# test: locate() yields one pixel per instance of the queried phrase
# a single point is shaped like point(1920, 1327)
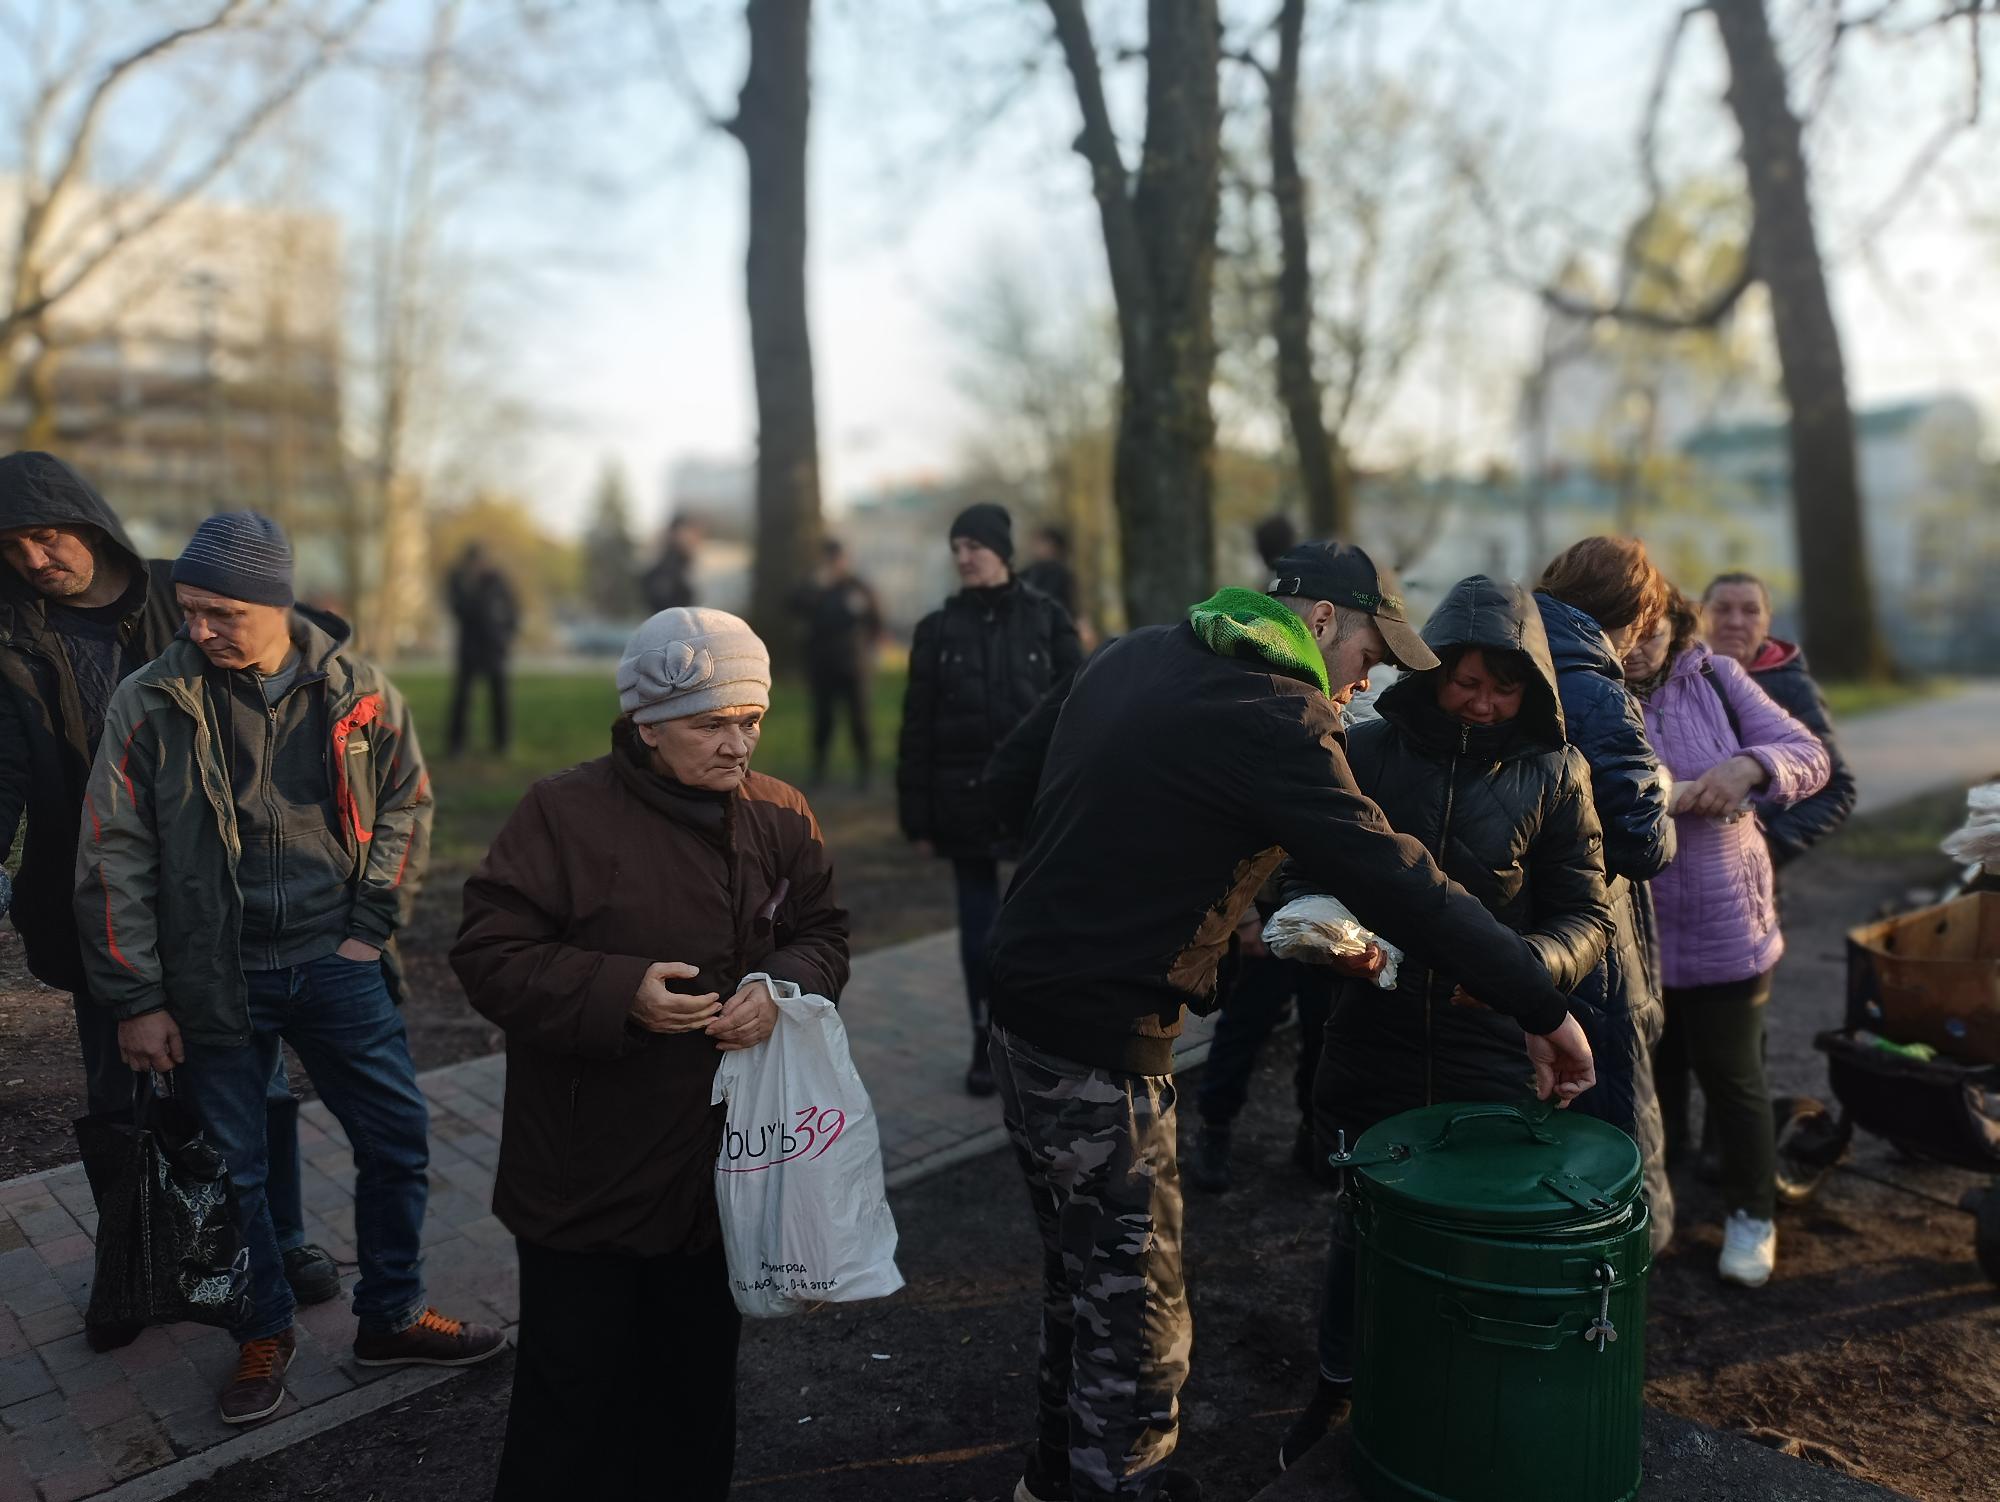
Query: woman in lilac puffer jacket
point(1731, 752)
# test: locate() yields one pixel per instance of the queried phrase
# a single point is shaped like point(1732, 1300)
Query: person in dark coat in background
point(1050, 571)
point(620, 905)
point(1736, 618)
point(487, 616)
point(1471, 758)
point(843, 625)
point(80, 609)
point(1598, 599)
point(670, 583)
point(1274, 536)
point(978, 667)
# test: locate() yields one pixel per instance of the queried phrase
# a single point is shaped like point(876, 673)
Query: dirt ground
point(1872, 1351)
point(892, 895)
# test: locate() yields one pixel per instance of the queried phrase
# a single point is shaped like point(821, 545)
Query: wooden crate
point(1932, 976)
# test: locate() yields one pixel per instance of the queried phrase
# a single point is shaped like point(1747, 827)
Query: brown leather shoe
point(258, 1389)
point(432, 1341)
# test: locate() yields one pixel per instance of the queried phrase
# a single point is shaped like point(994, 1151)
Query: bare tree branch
point(674, 57)
point(1708, 315)
point(1941, 139)
point(1097, 144)
point(1656, 98)
point(162, 207)
point(77, 152)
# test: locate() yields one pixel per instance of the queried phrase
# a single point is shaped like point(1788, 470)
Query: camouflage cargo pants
point(1098, 1150)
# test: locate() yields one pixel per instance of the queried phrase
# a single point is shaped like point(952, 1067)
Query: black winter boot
point(1209, 1172)
point(1330, 1404)
point(979, 1077)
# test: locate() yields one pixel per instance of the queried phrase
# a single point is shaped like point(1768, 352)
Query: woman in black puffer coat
point(1471, 759)
point(1505, 809)
point(978, 666)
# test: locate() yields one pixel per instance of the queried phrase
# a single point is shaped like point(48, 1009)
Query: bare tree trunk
point(1159, 239)
point(38, 384)
point(771, 122)
point(1841, 632)
point(1329, 506)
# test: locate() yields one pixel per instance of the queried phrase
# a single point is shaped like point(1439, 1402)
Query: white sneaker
point(1749, 1250)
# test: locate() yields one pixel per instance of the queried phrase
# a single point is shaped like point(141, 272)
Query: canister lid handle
point(1490, 1113)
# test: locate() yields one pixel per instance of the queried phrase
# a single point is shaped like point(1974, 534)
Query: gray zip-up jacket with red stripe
point(158, 902)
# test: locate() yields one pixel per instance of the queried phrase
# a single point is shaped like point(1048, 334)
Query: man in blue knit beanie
point(218, 928)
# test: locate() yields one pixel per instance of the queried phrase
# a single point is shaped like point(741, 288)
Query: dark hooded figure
point(1470, 758)
point(80, 609)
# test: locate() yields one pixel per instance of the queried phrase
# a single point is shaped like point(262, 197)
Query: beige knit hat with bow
point(688, 661)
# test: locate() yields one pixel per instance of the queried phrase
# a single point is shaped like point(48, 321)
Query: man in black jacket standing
point(1187, 762)
point(79, 610)
point(978, 667)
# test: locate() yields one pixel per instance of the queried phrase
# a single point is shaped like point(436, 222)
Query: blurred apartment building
point(200, 370)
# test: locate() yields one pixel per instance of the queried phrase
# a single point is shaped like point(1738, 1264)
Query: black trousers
point(494, 675)
point(1253, 1005)
point(835, 694)
point(624, 1379)
point(978, 882)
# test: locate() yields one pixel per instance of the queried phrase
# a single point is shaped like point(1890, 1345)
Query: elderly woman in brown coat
point(608, 933)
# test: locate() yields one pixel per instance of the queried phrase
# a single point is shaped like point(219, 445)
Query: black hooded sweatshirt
point(58, 666)
point(1175, 783)
point(1505, 810)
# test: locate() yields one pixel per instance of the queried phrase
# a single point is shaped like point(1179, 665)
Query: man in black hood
point(79, 610)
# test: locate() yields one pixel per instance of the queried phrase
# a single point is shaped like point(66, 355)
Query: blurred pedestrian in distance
point(1736, 614)
point(1597, 598)
point(621, 903)
point(79, 611)
point(670, 583)
point(1275, 536)
point(1050, 571)
point(1732, 753)
point(843, 629)
point(978, 667)
point(487, 616)
point(218, 934)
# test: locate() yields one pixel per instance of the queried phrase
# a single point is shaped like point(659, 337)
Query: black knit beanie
point(987, 524)
point(240, 556)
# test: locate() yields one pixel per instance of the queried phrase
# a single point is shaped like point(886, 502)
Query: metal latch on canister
point(1601, 1329)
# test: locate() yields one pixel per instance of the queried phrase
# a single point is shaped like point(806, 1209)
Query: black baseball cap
point(1342, 574)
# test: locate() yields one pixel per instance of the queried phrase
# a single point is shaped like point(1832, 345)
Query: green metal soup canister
point(1501, 1262)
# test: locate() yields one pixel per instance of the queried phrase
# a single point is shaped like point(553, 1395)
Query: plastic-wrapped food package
point(1317, 928)
point(1978, 842)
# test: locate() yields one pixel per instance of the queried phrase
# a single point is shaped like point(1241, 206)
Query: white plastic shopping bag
point(1317, 928)
point(805, 1219)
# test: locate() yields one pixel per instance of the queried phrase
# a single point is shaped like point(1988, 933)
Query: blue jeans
point(337, 1015)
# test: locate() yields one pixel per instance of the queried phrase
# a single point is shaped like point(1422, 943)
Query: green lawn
point(561, 719)
point(1847, 700)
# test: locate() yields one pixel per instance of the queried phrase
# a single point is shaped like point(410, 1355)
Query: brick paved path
point(139, 1424)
